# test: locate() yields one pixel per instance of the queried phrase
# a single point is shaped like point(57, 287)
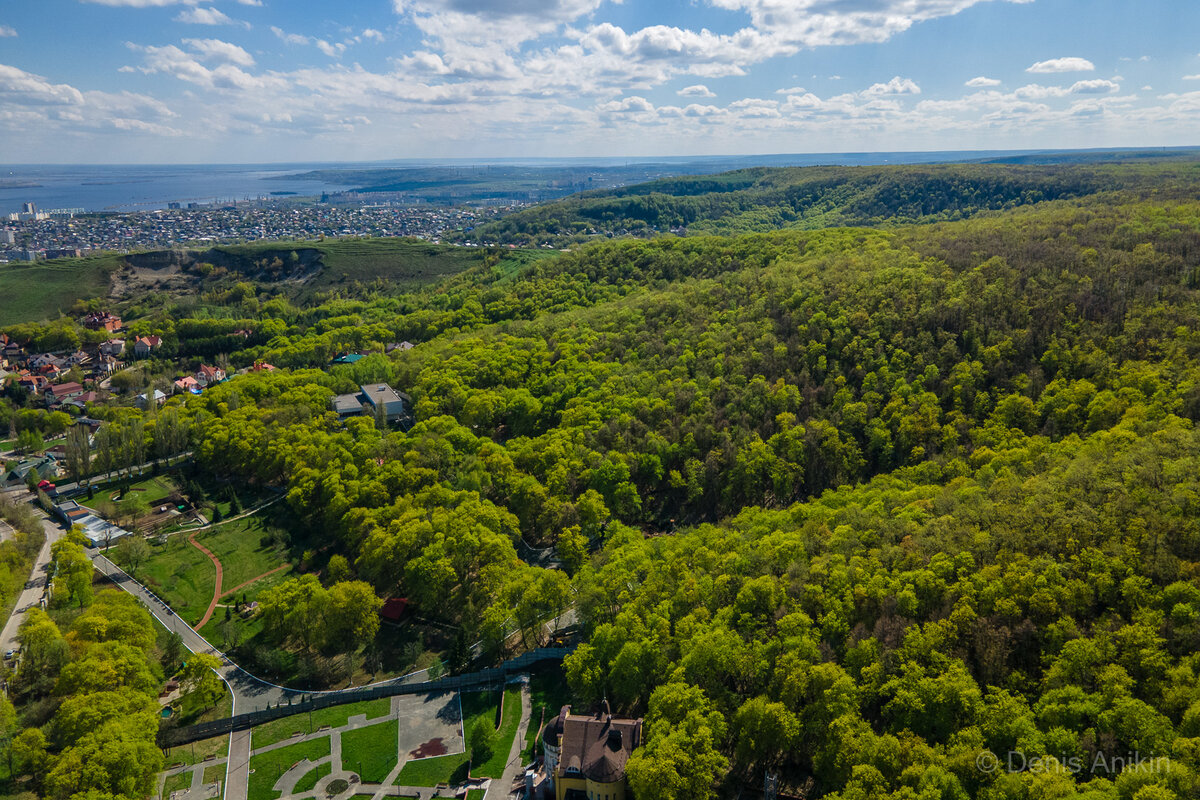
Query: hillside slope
point(762, 199)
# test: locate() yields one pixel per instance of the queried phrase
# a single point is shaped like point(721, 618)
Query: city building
point(585, 755)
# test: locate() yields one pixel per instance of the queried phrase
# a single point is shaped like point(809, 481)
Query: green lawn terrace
point(409, 741)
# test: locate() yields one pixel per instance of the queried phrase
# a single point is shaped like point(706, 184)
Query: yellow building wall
point(595, 791)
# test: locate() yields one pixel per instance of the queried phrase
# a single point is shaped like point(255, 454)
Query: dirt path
point(241, 586)
point(217, 588)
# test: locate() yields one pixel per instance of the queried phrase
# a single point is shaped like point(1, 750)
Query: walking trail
point(212, 606)
point(217, 592)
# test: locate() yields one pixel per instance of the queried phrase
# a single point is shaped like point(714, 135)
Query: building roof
point(347, 404)
point(349, 359)
point(63, 389)
point(393, 608)
point(597, 746)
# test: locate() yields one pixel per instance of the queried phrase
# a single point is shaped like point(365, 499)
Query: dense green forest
point(866, 508)
point(762, 199)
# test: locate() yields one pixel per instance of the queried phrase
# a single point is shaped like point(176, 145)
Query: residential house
point(79, 357)
point(585, 755)
point(187, 384)
point(401, 346)
point(262, 366)
point(41, 360)
point(142, 402)
point(102, 320)
point(349, 358)
point(113, 347)
point(34, 384)
point(207, 376)
point(145, 345)
point(82, 400)
point(379, 395)
point(45, 465)
point(108, 365)
point(347, 405)
point(59, 392)
point(370, 399)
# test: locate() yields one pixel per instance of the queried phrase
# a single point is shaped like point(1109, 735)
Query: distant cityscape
point(34, 234)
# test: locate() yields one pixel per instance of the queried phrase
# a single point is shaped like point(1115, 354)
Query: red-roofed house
point(207, 375)
point(63, 391)
point(186, 384)
point(393, 608)
point(145, 345)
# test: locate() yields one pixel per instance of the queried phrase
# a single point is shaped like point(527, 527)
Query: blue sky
point(163, 81)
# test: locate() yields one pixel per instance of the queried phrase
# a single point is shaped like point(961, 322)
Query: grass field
point(334, 717)
point(309, 781)
point(266, 768)
point(214, 773)
point(372, 751)
point(40, 290)
point(153, 490)
point(174, 783)
point(184, 577)
point(453, 769)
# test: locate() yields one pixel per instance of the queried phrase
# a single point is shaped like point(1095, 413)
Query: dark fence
point(173, 737)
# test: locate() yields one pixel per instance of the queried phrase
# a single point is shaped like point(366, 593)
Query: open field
point(186, 577)
point(334, 717)
point(371, 752)
point(41, 289)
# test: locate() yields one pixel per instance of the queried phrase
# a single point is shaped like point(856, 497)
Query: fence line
point(172, 737)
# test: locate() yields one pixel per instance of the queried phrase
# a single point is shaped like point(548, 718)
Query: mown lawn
point(309, 781)
point(215, 773)
point(333, 716)
point(372, 751)
point(176, 782)
point(266, 768)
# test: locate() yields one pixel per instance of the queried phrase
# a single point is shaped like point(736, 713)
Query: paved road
point(31, 596)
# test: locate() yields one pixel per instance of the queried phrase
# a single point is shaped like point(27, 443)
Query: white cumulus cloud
point(1070, 64)
point(1095, 87)
point(696, 90)
point(217, 50)
point(896, 85)
point(204, 16)
point(981, 81)
point(7, 31)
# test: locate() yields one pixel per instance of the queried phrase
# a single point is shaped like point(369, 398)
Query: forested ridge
point(946, 477)
point(862, 507)
point(764, 199)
